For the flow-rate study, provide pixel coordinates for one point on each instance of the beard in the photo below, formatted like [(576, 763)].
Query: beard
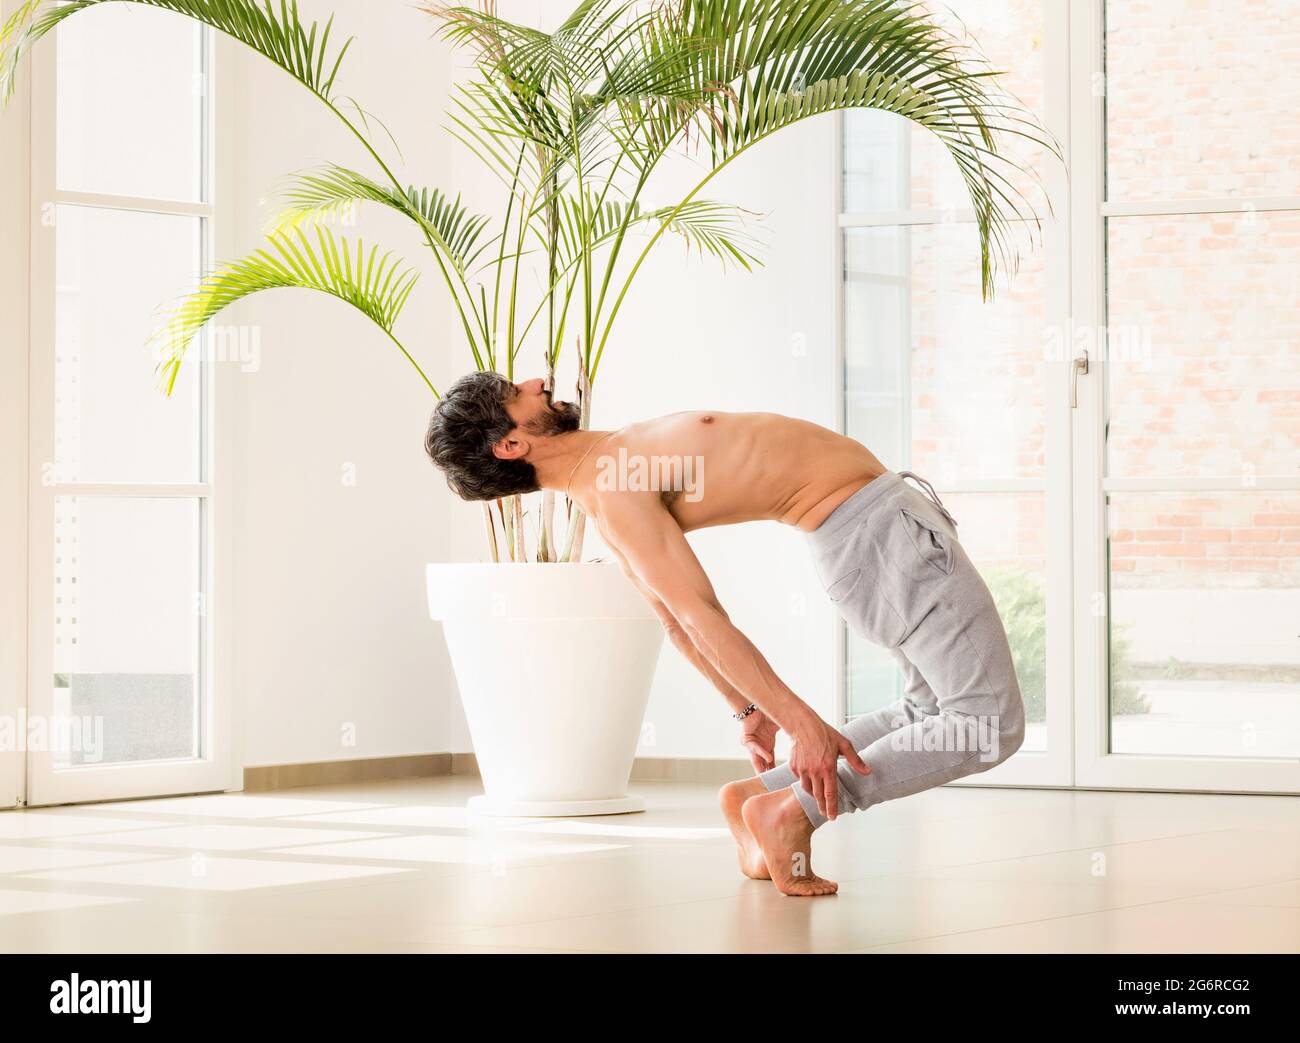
[(559, 418)]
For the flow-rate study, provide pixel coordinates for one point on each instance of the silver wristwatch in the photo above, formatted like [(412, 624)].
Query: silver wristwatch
[(745, 712)]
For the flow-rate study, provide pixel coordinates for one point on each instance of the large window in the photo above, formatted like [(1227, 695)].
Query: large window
[(936, 380), (1202, 424), (1138, 521), (122, 519)]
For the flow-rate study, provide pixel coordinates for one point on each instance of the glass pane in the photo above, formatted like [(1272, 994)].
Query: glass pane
[(1204, 602), (877, 328), (879, 148), (1201, 98), (936, 379), (871, 676), (877, 156), (115, 269), (127, 608), (1203, 338), (1004, 535), (130, 103)]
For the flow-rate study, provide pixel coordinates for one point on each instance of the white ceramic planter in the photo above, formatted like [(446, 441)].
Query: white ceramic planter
[(554, 664)]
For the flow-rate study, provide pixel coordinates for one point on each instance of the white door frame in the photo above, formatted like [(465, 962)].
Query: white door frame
[(15, 131), (217, 766), (1095, 765), (1055, 766), (1075, 485)]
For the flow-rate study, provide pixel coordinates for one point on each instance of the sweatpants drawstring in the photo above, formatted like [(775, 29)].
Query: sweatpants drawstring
[(928, 489)]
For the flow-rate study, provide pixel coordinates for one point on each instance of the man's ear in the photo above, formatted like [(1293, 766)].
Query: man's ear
[(510, 448)]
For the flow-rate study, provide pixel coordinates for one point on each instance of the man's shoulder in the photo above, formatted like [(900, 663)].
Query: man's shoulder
[(628, 515), (617, 503)]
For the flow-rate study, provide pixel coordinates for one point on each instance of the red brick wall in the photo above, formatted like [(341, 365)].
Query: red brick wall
[(1203, 100), (1249, 533)]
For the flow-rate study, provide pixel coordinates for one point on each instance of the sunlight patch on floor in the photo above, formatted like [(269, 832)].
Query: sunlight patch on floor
[(465, 850), (572, 827), (12, 902), (208, 873)]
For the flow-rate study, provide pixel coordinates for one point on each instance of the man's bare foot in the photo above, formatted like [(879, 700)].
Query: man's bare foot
[(732, 797), (784, 835)]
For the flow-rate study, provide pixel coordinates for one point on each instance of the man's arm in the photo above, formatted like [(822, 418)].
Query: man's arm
[(682, 642), (652, 547), (758, 732)]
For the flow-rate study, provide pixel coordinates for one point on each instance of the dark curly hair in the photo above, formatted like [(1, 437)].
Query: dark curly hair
[(467, 422)]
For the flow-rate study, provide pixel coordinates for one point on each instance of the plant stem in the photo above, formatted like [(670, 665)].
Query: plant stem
[(491, 532), (501, 253), (507, 530), (546, 528), (627, 283), (517, 510), (412, 361), (577, 519), (388, 173)]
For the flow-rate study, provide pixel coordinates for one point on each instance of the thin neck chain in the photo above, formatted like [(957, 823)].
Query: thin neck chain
[(583, 460)]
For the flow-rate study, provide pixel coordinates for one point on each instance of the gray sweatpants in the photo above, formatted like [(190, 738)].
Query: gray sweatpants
[(889, 559)]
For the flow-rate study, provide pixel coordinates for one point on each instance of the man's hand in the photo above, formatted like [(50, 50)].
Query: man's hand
[(758, 736), (651, 546), (813, 759)]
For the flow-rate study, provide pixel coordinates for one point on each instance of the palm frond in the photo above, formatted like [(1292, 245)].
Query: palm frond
[(279, 34), (767, 64), (332, 190), (575, 54), (549, 90), (720, 230), (377, 285)]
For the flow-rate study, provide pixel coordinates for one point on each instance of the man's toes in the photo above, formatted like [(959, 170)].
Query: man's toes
[(802, 888), (807, 886)]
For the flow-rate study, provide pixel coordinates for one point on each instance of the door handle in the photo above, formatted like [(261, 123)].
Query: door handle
[(1079, 365)]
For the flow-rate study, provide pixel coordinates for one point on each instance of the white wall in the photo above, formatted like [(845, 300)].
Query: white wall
[(332, 623)]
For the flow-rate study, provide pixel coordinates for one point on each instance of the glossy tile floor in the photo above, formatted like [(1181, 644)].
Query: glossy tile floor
[(398, 866)]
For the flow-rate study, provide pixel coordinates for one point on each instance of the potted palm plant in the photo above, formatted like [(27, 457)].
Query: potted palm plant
[(554, 656)]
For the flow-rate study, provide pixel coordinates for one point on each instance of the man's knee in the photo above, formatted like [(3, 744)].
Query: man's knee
[(1011, 719), (1003, 731), (1011, 736)]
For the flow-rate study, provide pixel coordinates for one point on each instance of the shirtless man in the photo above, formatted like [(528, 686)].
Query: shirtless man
[(886, 553)]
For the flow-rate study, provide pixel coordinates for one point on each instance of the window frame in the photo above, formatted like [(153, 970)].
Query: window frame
[(1076, 487), (1055, 766), (15, 147), (217, 766), (1090, 210)]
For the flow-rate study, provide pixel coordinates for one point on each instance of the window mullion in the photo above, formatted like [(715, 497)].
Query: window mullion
[(136, 204)]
